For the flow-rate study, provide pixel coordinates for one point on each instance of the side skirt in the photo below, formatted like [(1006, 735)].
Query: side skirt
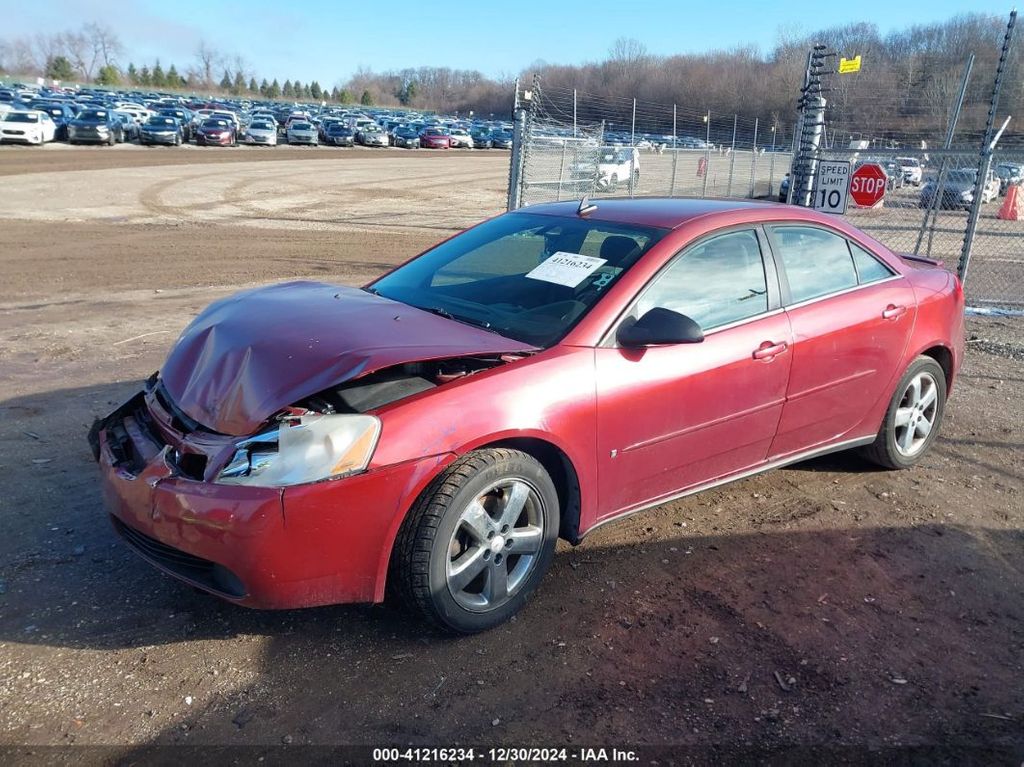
[(835, 447)]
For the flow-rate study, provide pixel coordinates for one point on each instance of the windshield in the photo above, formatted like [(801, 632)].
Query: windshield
[(962, 176), (301, 126), (22, 117), (92, 115), (217, 124), (260, 126), (162, 122), (525, 276)]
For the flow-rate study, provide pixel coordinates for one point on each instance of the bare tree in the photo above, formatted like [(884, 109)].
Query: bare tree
[(207, 59), (106, 45)]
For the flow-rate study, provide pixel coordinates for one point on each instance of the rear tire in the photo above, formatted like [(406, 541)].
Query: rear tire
[(478, 541), (913, 418)]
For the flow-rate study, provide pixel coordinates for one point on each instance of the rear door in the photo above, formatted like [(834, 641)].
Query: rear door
[(672, 417), (851, 317)]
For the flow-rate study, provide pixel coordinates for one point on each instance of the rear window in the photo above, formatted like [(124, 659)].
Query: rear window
[(817, 262)]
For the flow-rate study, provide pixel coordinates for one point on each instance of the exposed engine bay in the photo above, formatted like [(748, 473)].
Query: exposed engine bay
[(395, 383)]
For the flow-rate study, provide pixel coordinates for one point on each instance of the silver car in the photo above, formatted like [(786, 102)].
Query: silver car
[(372, 135), (262, 133), (301, 132)]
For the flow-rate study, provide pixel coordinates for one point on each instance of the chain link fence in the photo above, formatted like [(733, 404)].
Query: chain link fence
[(954, 178), (638, 149)]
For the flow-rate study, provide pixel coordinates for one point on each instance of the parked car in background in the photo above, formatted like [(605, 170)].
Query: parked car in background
[(1009, 173), (161, 129), (613, 166), (435, 138), (95, 126), (60, 113), (129, 128), (913, 173), (501, 140), (217, 132), (957, 189), (262, 132), (184, 117), (461, 138), (532, 378), (339, 134), (481, 138), (894, 174), (301, 132), (26, 127), (406, 137), (372, 135)]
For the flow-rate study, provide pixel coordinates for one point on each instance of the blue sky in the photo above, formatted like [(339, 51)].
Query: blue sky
[(327, 41)]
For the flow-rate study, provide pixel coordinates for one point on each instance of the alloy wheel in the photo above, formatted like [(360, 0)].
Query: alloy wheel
[(915, 416), (495, 545)]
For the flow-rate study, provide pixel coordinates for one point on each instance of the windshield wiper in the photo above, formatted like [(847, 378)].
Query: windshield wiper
[(456, 317)]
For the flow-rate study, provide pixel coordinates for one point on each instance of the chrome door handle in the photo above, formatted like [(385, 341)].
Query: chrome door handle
[(769, 350), (892, 312)]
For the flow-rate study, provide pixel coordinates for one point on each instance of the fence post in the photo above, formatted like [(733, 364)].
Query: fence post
[(753, 161), (771, 163), (561, 173), (632, 130), (732, 157), (810, 126), (988, 147), (515, 174), (675, 154), (707, 153)]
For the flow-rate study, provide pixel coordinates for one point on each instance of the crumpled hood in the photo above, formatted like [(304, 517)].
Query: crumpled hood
[(246, 357)]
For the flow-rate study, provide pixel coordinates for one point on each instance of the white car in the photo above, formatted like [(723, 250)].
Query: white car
[(26, 126), (911, 167), (300, 132), (262, 132), (373, 135), (461, 139)]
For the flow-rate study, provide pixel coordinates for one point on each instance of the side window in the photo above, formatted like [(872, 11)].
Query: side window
[(869, 268), (719, 281), (816, 262)]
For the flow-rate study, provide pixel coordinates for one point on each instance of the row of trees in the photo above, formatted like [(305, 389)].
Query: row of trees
[(909, 81)]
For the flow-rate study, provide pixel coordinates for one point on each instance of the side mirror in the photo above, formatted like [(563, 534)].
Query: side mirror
[(659, 327)]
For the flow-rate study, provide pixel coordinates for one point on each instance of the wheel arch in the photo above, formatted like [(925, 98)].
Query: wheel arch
[(944, 356)]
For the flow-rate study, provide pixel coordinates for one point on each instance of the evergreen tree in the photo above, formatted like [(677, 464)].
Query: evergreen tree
[(239, 85), (366, 99), (225, 81), (274, 91), (132, 74), (158, 78), (307, 92), (315, 91), (344, 97), (335, 93), (59, 68), (108, 75), (265, 88), (173, 79), (145, 78), (253, 87)]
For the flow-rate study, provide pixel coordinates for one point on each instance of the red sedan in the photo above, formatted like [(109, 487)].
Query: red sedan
[(531, 378), (217, 132), (435, 138)]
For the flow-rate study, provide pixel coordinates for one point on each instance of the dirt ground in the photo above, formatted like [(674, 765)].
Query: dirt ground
[(828, 604)]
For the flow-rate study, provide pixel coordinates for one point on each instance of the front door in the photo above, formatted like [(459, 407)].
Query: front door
[(672, 417)]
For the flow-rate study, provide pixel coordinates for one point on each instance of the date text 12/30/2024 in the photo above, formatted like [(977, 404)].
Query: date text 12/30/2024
[(503, 755)]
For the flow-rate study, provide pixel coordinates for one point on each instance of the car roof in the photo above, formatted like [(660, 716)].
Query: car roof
[(673, 212)]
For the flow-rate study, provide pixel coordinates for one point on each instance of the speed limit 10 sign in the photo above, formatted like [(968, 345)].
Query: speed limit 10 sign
[(833, 187)]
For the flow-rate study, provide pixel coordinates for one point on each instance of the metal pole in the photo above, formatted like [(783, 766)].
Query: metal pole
[(932, 211), (732, 157), (574, 113), (561, 174), (753, 161), (632, 131), (515, 198), (771, 163), (675, 154), (707, 153), (986, 152)]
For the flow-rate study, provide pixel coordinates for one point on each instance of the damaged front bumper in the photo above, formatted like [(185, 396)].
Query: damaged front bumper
[(264, 547)]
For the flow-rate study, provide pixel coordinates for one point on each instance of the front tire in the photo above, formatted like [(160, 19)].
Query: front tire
[(478, 541), (913, 418)]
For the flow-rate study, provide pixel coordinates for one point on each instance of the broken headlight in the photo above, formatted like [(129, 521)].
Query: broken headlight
[(305, 449)]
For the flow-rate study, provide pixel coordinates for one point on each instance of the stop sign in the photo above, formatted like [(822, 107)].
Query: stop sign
[(867, 186)]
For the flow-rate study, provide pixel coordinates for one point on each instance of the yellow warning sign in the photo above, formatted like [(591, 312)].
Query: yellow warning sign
[(849, 66)]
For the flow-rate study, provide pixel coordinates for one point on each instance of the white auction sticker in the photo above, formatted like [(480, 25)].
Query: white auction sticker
[(569, 269)]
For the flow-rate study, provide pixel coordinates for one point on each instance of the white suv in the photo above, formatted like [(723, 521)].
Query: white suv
[(911, 168)]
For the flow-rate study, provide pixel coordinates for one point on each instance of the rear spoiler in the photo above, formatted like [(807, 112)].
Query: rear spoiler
[(914, 258)]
